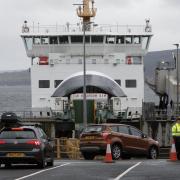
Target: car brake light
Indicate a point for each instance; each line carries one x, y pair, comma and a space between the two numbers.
2, 142
105, 134
17, 129
34, 142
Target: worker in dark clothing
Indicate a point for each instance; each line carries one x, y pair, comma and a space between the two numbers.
176, 136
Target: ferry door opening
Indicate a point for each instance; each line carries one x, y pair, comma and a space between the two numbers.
78, 111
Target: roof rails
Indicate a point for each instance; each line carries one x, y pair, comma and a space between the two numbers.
31, 124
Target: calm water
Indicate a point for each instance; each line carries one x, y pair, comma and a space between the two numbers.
18, 98
15, 98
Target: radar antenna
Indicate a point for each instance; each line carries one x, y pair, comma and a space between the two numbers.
87, 11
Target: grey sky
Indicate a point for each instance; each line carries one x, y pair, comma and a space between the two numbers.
164, 16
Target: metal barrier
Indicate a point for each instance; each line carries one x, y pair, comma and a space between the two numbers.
67, 148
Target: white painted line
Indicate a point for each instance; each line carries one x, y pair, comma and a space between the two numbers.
33, 174
125, 172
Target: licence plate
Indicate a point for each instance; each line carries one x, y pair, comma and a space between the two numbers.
15, 155
89, 137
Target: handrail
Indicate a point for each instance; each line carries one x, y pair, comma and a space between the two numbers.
47, 29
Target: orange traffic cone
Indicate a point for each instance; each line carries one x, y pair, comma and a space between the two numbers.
108, 157
173, 154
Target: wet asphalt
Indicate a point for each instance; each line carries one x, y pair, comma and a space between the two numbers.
137, 169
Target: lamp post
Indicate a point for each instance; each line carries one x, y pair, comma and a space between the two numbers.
177, 74
84, 77
85, 12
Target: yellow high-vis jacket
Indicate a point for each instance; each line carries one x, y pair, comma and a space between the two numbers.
176, 129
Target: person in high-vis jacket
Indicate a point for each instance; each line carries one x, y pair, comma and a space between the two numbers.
176, 136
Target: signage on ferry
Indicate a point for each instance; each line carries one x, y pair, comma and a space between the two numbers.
98, 96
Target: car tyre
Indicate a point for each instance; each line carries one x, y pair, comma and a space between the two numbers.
153, 153
42, 163
88, 156
50, 163
116, 151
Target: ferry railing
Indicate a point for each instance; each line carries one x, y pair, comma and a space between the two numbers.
31, 114
160, 115
124, 29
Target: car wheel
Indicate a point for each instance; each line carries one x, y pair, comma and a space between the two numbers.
153, 153
42, 163
116, 151
50, 163
88, 156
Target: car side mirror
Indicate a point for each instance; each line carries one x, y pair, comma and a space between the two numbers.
144, 135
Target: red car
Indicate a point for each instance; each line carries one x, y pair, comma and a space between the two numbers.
125, 141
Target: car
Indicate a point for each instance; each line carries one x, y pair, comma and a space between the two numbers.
125, 141
24, 144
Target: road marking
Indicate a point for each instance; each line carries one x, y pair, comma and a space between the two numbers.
125, 172
33, 174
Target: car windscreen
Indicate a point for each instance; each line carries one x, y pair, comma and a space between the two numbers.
93, 129
13, 134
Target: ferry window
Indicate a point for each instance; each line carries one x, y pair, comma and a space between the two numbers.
117, 61
144, 42
136, 39
37, 40
106, 61
44, 84
63, 39
44, 40
28, 42
67, 61
87, 39
131, 83
56, 83
93, 61
128, 39
53, 40
110, 39
137, 60
80, 61
118, 81
120, 40
97, 39
76, 39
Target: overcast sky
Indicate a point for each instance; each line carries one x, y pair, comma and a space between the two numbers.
164, 16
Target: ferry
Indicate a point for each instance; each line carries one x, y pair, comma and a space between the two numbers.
113, 56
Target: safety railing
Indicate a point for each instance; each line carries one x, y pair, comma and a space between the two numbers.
47, 29
67, 148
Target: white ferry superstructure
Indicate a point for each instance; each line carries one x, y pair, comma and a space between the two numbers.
114, 63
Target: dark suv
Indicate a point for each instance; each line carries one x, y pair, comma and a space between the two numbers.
125, 141
25, 144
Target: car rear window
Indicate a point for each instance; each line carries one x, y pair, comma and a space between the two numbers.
12, 134
93, 129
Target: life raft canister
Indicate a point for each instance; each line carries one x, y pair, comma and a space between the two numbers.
129, 60
43, 60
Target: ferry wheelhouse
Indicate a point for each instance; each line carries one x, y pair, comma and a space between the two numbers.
114, 68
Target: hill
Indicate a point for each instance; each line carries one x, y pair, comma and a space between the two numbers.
14, 78
152, 59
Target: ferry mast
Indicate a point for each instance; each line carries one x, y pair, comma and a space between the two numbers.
86, 12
